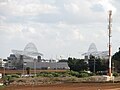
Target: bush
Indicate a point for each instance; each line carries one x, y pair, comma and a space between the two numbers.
55, 74
49, 74
2, 87
74, 73
15, 75
84, 74
45, 74
7, 79
68, 73
78, 74
115, 74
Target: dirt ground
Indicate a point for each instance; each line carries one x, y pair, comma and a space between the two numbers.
69, 86
66, 86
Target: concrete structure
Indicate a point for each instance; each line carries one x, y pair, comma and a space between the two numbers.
30, 57
0, 62
93, 51
3, 62
47, 65
19, 57
38, 63
29, 50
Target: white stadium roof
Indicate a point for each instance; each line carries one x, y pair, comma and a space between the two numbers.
29, 50
93, 51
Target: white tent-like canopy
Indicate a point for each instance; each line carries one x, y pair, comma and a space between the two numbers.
93, 51
29, 50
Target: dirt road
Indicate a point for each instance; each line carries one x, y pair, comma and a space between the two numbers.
69, 86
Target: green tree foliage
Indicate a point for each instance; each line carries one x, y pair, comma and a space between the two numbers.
28, 70
97, 64
94, 64
63, 60
116, 61
116, 56
77, 64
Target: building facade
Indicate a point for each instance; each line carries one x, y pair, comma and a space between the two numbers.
21, 61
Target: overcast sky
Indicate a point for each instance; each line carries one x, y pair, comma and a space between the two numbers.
58, 27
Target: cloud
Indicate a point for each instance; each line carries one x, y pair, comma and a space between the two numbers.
56, 26
78, 35
107, 5
3, 2
72, 7
97, 7
2, 19
24, 7
72, 12
10, 28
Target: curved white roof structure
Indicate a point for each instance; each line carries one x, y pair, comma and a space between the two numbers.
93, 51
29, 50
92, 48
30, 47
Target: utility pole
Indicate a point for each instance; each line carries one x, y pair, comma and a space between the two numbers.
35, 66
4, 70
110, 46
94, 65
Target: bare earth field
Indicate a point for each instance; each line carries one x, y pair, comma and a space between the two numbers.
69, 86
65, 86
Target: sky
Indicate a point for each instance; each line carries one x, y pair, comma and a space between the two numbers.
58, 28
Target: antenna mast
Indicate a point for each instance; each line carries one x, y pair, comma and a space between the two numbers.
110, 46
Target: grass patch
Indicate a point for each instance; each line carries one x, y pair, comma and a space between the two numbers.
2, 87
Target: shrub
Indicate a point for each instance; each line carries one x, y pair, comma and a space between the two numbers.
68, 73
15, 75
45, 74
2, 87
79, 74
49, 74
55, 74
7, 79
115, 74
73, 73
84, 74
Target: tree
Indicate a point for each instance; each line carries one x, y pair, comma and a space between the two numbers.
63, 60
71, 63
28, 70
97, 64
116, 61
77, 64
116, 56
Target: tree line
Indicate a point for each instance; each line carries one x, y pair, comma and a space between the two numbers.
94, 64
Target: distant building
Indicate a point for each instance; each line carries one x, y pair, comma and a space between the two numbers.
30, 57
24, 61
3, 63
47, 65
94, 52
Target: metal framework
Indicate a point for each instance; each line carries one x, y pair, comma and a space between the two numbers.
110, 46
93, 51
92, 48
29, 50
